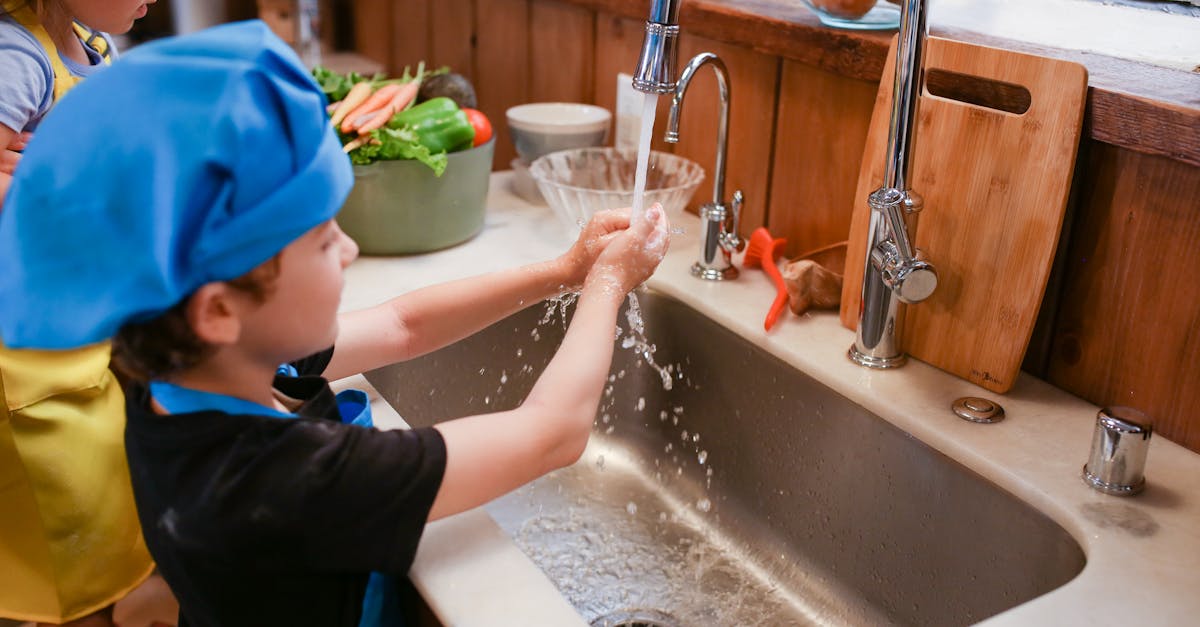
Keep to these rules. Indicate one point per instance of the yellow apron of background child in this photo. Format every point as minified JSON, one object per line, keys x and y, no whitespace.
{"x":70,"y":543}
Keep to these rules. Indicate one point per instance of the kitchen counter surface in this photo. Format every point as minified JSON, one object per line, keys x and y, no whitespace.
{"x":1142,"y":552}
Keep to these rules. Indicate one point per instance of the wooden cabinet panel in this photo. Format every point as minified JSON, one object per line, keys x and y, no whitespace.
{"x":373,"y":30}
{"x":410,"y":34}
{"x":753,"y":78}
{"x":562,"y":43}
{"x":502,"y":66}
{"x":451,"y":33}
{"x":819,"y":141}
{"x":1128,"y":330}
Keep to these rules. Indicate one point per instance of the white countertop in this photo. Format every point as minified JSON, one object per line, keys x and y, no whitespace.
{"x":1143,"y":553}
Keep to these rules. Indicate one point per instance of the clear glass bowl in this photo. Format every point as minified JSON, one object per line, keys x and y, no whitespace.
{"x":844,"y":14}
{"x":579,"y":182}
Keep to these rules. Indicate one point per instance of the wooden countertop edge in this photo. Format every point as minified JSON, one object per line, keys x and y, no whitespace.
{"x":1145,"y":108}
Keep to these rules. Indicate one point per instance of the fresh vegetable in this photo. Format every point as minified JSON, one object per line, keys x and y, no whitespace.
{"x":483,"y":127}
{"x":438,"y":123}
{"x":355,"y":97}
{"x":377,"y":120}
{"x":371,"y":104}
{"x":398,"y":144}
{"x":451,"y":85}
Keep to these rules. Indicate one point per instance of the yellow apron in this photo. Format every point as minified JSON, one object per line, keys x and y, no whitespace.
{"x":70,"y":543}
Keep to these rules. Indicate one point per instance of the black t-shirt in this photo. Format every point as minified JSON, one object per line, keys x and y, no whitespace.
{"x":261,"y":521}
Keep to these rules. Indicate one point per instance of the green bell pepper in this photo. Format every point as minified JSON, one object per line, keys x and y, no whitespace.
{"x":438,"y":123}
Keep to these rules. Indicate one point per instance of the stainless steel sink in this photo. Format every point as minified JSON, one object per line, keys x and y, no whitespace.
{"x":747,"y":494}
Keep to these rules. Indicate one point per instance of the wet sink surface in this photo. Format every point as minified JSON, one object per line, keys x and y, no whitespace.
{"x":747,"y":494}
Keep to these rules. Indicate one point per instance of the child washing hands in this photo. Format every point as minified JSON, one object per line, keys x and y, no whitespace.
{"x":206,"y":244}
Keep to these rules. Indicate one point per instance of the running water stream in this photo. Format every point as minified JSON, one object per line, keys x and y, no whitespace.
{"x":649,"y":106}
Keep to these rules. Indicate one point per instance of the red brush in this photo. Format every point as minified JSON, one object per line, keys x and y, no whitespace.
{"x":760,"y":253}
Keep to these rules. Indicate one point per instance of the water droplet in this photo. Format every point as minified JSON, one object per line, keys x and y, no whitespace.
{"x":662,"y":517}
{"x":487,"y":400}
{"x":683,"y":436}
{"x":600,"y":462}
{"x":704,"y":505}
{"x":482,"y":370}
{"x":605,"y":418}
{"x":695,"y":437}
{"x":503,"y":377}
{"x":641,"y":404}
{"x":519,"y":351}
{"x":702,"y":457}
{"x":668,"y":447}
{"x":678,"y":410}
{"x":631,"y":507}
{"x":662,"y":415}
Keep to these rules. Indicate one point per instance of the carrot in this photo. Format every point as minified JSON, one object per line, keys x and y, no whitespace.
{"x":407,"y":93}
{"x":354,"y":97}
{"x":377,"y":101}
{"x":356,"y":144}
{"x":400,"y":101}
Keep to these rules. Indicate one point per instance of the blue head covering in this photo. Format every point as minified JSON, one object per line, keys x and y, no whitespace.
{"x":191,"y":160}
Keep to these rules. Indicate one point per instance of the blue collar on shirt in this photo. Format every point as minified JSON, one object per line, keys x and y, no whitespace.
{"x":180,"y":400}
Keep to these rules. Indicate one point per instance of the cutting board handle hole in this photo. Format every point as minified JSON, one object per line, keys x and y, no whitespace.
{"x":976,"y":90}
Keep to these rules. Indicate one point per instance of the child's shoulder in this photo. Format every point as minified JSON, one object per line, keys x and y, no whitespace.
{"x":28,"y":75}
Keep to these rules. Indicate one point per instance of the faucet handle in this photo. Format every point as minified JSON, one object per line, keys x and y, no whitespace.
{"x":913,"y":279}
{"x":730,"y":239}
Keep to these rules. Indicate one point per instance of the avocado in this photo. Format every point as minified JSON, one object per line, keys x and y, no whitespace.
{"x":454,"y":86}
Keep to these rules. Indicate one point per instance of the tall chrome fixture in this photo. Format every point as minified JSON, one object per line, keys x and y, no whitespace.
{"x":894,"y":272}
{"x":655,"y":73}
{"x":718,"y":240}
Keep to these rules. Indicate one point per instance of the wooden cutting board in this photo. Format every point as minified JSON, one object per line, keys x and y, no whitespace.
{"x":995,"y":185}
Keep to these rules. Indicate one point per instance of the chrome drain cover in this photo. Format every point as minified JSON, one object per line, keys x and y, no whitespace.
{"x":636,"y":618}
{"x":978,"y":409}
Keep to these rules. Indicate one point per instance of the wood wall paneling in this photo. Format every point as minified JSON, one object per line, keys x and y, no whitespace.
{"x":753,"y":87}
{"x":502,"y":75}
{"x":1128,"y":331}
{"x":411,"y":34}
{"x":819,"y":141}
{"x":562,"y":42}
{"x":452,"y":32}
{"x":374,"y":30}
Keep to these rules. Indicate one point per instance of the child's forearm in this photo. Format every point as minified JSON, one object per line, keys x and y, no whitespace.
{"x":490,"y":455}
{"x":427,"y":319}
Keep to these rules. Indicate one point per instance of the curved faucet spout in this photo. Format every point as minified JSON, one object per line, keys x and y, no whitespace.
{"x":672,"y":134}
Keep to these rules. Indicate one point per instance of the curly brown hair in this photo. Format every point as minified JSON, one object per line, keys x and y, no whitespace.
{"x":162,"y":346}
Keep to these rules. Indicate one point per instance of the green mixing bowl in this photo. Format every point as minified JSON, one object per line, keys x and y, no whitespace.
{"x":399,"y":207}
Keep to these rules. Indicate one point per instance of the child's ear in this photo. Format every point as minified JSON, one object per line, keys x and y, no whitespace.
{"x":213,"y":314}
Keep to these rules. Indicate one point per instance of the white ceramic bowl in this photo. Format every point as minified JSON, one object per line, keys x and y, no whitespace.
{"x":579,"y":182}
{"x":541,"y":128}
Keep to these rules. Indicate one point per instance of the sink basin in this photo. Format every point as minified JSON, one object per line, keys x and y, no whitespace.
{"x":746,"y":494}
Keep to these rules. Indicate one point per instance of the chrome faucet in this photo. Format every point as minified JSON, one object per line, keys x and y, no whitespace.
{"x":655,"y":73}
{"x":718,"y":240}
{"x":894,"y":272}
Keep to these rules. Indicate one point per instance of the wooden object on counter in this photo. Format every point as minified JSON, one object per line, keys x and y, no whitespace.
{"x":995,"y":186}
{"x":814,"y":279}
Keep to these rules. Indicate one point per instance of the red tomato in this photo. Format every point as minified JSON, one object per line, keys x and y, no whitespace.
{"x":483,"y":128}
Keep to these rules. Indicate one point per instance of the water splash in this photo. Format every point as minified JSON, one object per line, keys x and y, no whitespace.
{"x":637,"y":341}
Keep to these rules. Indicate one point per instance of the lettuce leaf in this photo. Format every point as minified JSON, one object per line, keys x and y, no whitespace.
{"x":398,"y":144}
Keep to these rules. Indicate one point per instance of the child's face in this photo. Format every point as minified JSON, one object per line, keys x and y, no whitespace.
{"x":111,"y":16}
{"x":299,"y":316}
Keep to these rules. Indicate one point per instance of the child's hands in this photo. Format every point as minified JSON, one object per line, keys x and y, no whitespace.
{"x":596,"y":235}
{"x":12,"y":152}
{"x":630,"y":257}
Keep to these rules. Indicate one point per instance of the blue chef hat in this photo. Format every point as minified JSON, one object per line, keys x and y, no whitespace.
{"x":191,"y":160}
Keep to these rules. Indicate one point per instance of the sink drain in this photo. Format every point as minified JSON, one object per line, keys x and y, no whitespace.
{"x":636,"y":618}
